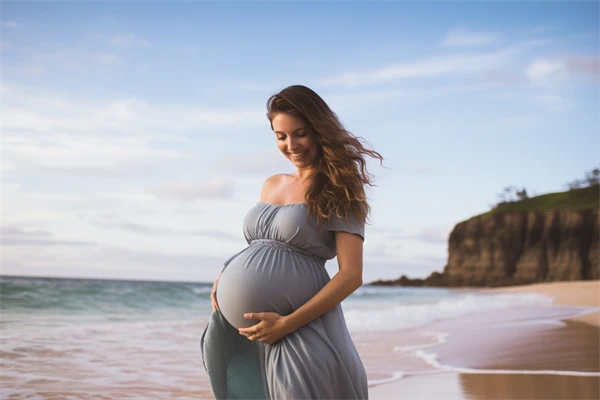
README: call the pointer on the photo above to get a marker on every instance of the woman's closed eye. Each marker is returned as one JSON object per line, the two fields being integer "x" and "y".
{"x": 300, "y": 135}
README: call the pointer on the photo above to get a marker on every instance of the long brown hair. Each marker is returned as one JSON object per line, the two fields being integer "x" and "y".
{"x": 337, "y": 186}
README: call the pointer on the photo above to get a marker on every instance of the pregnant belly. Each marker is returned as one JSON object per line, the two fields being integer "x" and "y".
{"x": 265, "y": 279}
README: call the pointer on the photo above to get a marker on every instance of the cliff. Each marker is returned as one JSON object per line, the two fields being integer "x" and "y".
{"x": 547, "y": 238}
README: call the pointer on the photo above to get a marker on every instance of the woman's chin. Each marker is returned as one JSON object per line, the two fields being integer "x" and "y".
{"x": 300, "y": 163}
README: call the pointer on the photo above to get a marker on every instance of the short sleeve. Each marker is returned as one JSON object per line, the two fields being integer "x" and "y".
{"x": 340, "y": 224}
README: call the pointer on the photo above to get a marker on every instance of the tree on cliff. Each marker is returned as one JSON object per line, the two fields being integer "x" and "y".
{"x": 591, "y": 178}
{"x": 510, "y": 194}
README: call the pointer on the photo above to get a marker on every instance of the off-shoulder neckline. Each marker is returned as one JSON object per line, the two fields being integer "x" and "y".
{"x": 282, "y": 205}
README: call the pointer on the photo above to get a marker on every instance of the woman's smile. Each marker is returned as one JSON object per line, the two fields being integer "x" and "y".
{"x": 298, "y": 155}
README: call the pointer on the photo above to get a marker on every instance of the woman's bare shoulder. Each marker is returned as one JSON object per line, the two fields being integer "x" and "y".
{"x": 276, "y": 179}
{"x": 271, "y": 183}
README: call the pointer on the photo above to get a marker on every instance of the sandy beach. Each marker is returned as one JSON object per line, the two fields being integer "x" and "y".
{"x": 514, "y": 366}
{"x": 580, "y": 293}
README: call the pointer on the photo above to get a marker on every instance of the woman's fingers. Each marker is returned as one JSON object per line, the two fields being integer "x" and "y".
{"x": 254, "y": 337}
{"x": 251, "y": 335}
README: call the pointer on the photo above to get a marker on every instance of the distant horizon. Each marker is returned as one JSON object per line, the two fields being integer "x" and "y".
{"x": 110, "y": 279}
{"x": 99, "y": 279}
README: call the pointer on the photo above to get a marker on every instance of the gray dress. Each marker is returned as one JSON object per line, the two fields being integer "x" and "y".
{"x": 280, "y": 270}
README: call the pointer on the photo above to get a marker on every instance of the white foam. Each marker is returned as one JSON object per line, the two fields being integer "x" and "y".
{"x": 201, "y": 290}
{"x": 438, "y": 337}
{"x": 432, "y": 359}
{"x": 24, "y": 394}
{"x": 396, "y": 375}
{"x": 388, "y": 316}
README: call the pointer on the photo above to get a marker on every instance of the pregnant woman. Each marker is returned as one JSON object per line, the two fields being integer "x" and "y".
{"x": 277, "y": 330}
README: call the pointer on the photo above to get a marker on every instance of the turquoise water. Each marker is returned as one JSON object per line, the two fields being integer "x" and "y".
{"x": 58, "y": 301}
{"x": 86, "y": 300}
{"x": 54, "y": 302}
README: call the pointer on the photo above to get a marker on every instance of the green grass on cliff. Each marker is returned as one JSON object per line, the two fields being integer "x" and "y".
{"x": 577, "y": 199}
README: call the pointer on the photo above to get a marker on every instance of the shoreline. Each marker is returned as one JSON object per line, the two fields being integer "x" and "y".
{"x": 574, "y": 293}
{"x": 512, "y": 380}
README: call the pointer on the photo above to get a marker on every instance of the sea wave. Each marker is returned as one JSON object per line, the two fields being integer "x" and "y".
{"x": 388, "y": 316}
{"x": 98, "y": 296}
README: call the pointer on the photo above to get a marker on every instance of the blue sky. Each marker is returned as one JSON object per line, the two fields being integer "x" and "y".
{"x": 134, "y": 136}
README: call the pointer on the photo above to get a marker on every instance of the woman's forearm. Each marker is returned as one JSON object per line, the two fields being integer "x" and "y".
{"x": 332, "y": 294}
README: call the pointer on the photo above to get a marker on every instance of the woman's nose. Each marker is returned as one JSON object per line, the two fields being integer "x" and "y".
{"x": 292, "y": 144}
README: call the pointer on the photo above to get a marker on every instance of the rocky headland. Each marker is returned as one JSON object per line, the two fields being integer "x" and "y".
{"x": 552, "y": 237}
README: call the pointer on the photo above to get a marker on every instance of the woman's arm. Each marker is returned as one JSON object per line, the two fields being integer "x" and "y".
{"x": 349, "y": 278}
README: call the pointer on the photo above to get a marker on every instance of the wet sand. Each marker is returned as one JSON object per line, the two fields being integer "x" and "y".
{"x": 573, "y": 346}
{"x": 490, "y": 387}
{"x": 578, "y": 293}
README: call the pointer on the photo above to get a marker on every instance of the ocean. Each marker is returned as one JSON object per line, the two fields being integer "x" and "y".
{"x": 116, "y": 339}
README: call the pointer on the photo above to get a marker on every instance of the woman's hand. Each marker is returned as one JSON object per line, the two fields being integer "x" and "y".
{"x": 213, "y": 294}
{"x": 269, "y": 330}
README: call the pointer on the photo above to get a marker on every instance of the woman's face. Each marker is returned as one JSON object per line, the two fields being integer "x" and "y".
{"x": 295, "y": 140}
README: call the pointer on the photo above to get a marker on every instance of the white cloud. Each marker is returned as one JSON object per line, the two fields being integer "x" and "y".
{"x": 113, "y": 262}
{"x": 115, "y": 222}
{"x": 217, "y": 187}
{"x": 42, "y": 130}
{"x": 17, "y": 231}
{"x": 554, "y": 102}
{"x": 5, "y": 166}
{"x": 70, "y": 60}
{"x": 431, "y": 235}
{"x": 58, "y": 227}
{"x": 542, "y": 70}
{"x": 105, "y": 58}
{"x": 380, "y": 251}
{"x": 551, "y": 71}
{"x": 454, "y": 64}
{"x": 358, "y": 101}
{"x": 21, "y": 236}
{"x": 128, "y": 40}
{"x": 545, "y": 71}
{"x": 32, "y": 70}
{"x": 427, "y": 235}
{"x": 550, "y": 102}
{"x": 33, "y": 110}
{"x": 24, "y": 208}
{"x": 86, "y": 153}
{"x": 10, "y": 24}
{"x": 259, "y": 163}
{"x": 460, "y": 37}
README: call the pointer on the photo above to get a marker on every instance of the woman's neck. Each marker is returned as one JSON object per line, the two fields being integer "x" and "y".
{"x": 304, "y": 174}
